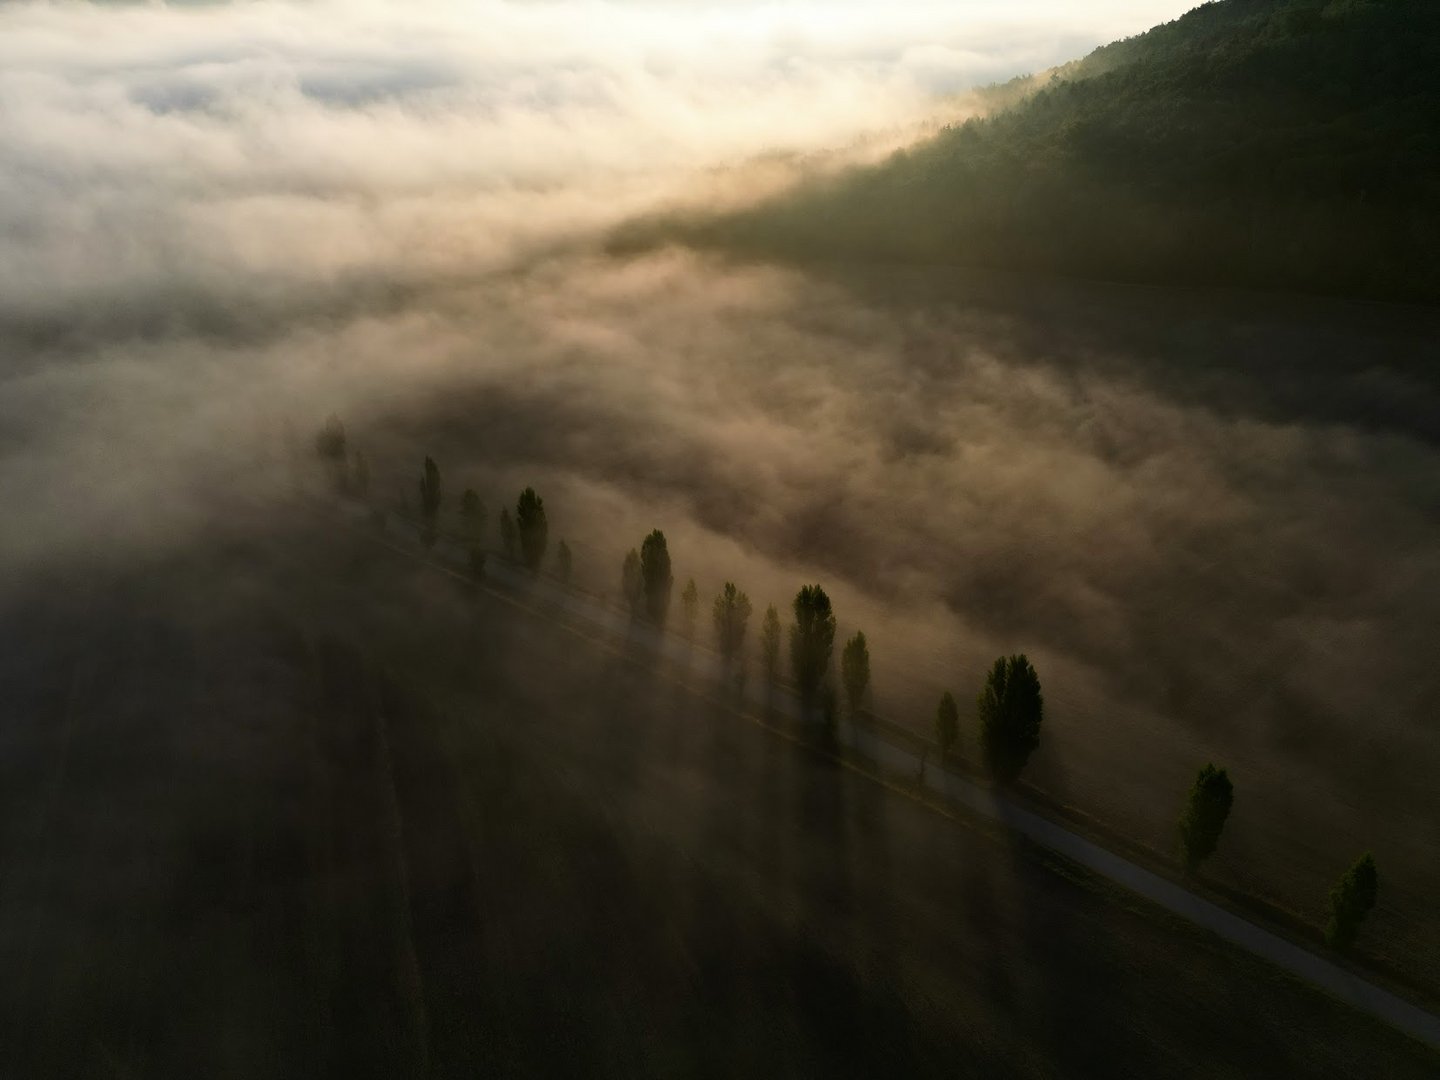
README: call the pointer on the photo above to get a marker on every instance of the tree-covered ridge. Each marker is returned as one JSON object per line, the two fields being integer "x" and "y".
{"x": 1261, "y": 143}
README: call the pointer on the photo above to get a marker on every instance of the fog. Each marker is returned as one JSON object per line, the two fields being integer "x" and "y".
{"x": 1210, "y": 520}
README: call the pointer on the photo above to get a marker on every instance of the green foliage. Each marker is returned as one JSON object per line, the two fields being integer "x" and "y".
{"x": 855, "y": 671}
{"x": 655, "y": 571}
{"x": 1351, "y": 900}
{"x": 1204, "y": 816}
{"x": 1280, "y": 144}
{"x": 632, "y": 583}
{"x": 564, "y": 563}
{"x": 430, "y": 494}
{"x": 770, "y": 643}
{"x": 330, "y": 442}
{"x": 534, "y": 530}
{"x": 689, "y": 607}
{"x": 507, "y": 533}
{"x": 812, "y": 636}
{"x": 731, "y": 614}
{"x": 947, "y": 723}
{"x": 1011, "y": 709}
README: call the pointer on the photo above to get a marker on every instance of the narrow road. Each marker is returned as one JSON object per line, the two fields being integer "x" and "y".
{"x": 1299, "y": 961}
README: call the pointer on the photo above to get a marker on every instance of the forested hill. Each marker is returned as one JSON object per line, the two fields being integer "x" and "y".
{"x": 1290, "y": 144}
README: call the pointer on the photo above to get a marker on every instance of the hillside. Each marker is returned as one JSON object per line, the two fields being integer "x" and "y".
{"x": 1290, "y": 144}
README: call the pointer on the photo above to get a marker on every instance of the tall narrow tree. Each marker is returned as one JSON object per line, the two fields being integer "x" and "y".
{"x": 812, "y": 637}
{"x": 855, "y": 672}
{"x": 1351, "y": 900}
{"x": 731, "y": 614}
{"x": 655, "y": 570}
{"x": 534, "y": 530}
{"x": 1011, "y": 709}
{"x": 1209, "y": 804}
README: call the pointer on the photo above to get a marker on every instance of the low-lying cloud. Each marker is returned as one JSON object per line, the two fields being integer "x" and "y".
{"x": 1211, "y": 521}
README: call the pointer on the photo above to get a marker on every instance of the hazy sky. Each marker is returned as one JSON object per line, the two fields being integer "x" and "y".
{"x": 143, "y": 143}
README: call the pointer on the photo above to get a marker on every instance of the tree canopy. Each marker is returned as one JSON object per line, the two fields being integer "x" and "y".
{"x": 855, "y": 671}
{"x": 1257, "y": 143}
{"x": 532, "y": 527}
{"x": 1351, "y": 900}
{"x": 812, "y": 637}
{"x": 655, "y": 572}
{"x": 1205, "y": 812}
{"x": 1011, "y": 709}
{"x": 731, "y": 614}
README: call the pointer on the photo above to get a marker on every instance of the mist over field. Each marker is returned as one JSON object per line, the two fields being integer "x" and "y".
{"x": 1209, "y": 518}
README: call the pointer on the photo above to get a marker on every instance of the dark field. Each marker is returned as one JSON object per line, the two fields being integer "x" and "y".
{"x": 303, "y": 807}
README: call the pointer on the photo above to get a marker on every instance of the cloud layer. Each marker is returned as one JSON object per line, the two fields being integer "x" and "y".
{"x": 1210, "y": 520}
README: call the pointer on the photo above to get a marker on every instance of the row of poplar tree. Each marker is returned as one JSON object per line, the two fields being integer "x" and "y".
{"x": 1009, "y": 710}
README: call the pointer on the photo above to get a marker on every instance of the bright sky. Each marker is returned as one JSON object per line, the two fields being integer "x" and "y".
{"x": 273, "y": 133}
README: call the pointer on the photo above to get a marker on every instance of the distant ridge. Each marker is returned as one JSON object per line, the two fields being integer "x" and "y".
{"x": 1287, "y": 144}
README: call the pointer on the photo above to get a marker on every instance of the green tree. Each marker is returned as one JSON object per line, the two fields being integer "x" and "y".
{"x": 947, "y": 723}
{"x": 507, "y": 533}
{"x": 855, "y": 671}
{"x": 770, "y": 643}
{"x": 430, "y": 492}
{"x": 1209, "y": 804}
{"x": 655, "y": 570}
{"x": 689, "y": 607}
{"x": 1351, "y": 900}
{"x": 534, "y": 530}
{"x": 732, "y": 613}
{"x": 1011, "y": 709}
{"x": 564, "y": 563}
{"x": 632, "y": 583}
{"x": 812, "y": 636}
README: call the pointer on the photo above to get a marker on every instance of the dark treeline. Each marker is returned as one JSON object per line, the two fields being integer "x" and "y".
{"x": 1009, "y": 708}
{"x": 1254, "y": 143}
